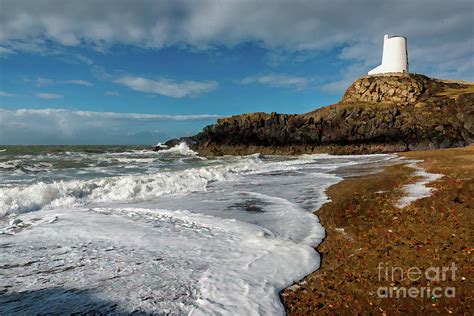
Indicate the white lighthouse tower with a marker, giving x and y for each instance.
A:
(394, 56)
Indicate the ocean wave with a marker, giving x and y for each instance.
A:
(129, 188)
(181, 149)
(251, 231)
(120, 188)
(13, 165)
(133, 188)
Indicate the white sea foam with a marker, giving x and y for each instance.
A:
(183, 235)
(29, 167)
(182, 149)
(418, 190)
(123, 188)
(155, 260)
(129, 188)
(160, 145)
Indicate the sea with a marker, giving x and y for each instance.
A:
(125, 229)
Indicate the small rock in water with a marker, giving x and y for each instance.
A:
(262, 234)
(15, 222)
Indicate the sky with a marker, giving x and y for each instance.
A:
(142, 72)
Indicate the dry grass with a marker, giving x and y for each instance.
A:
(456, 92)
(431, 232)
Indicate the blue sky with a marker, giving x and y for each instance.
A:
(145, 71)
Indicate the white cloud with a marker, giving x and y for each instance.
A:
(346, 78)
(43, 95)
(112, 93)
(5, 51)
(278, 80)
(122, 116)
(297, 26)
(42, 82)
(61, 126)
(79, 82)
(167, 87)
(6, 94)
(84, 59)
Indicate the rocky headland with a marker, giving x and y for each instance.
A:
(377, 114)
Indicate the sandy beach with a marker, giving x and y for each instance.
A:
(380, 257)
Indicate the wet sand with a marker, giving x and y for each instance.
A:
(372, 246)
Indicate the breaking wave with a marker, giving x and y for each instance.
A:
(123, 188)
(181, 149)
(130, 188)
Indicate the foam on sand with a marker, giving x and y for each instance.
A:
(418, 190)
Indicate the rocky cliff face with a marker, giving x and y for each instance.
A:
(397, 90)
(376, 114)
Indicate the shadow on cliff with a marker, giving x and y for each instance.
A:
(56, 300)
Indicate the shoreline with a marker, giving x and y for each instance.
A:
(367, 233)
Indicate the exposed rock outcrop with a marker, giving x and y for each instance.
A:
(401, 90)
(376, 114)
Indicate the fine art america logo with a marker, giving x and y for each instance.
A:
(432, 275)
